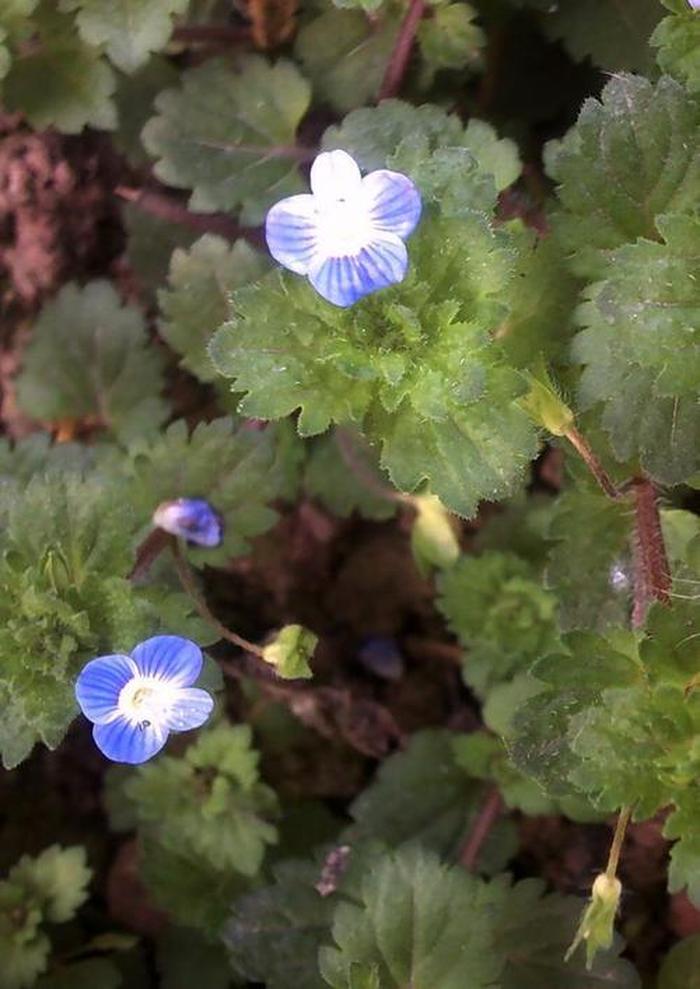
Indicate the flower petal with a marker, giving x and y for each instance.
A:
(393, 202)
(291, 232)
(344, 280)
(335, 175)
(190, 709)
(125, 741)
(191, 518)
(99, 685)
(169, 657)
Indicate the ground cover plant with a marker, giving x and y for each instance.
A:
(349, 471)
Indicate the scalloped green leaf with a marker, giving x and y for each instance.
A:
(228, 134)
(677, 38)
(631, 157)
(90, 357)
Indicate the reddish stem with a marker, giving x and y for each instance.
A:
(167, 207)
(147, 552)
(488, 814)
(581, 445)
(652, 577)
(224, 34)
(398, 62)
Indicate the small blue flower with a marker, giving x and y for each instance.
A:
(135, 701)
(191, 518)
(348, 236)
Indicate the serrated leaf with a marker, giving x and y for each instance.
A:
(678, 39)
(682, 825)
(150, 245)
(185, 959)
(501, 614)
(56, 880)
(630, 158)
(681, 966)
(449, 40)
(418, 372)
(614, 35)
(329, 478)
(274, 933)
(238, 470)
(135, 97)
(129, 30)
(89, 357)
(450, 802)
(417, 923)
(483, 756)
(345, 55)
(590, 559)
(86, 974)
(13, 19)
(228, 134)
(290, 651)
(641, 350)
(459, 168)
(533, 932)
(196, 302)
(82, 82)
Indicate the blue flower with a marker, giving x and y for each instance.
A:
(135, 701)
(192, 518)
(348, 236)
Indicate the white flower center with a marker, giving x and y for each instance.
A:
(344, 226)
(146, 700)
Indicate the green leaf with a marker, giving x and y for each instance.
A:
(630, 158)
(185, 959)
(129, 30)
(682, 824)
(228, 134)
(135, 97)
(90, 357)
(237, 469)
(590, 559)
(38, 454)
(345, 55)
(418, 923)
(449, 40)
(82, 82)
(290, 652)
(419, 372)
(459, 168)
(640, 348)
(484, 756)
(196, 302)
(678, 39)
(434, 542)
(150, 245)
(274, 933)
(56, 881)
(13, 19)
(614, 35)
(65, 542)
(341, 490)
(533, 932)
(450, 802)
(86, 974)
(501, 614)
(681, 966)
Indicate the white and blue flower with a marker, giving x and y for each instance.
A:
(192, 519)
(347, 237)
(135, 701)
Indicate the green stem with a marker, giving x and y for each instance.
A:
(582, 447)
(623, 819)
(189, 584)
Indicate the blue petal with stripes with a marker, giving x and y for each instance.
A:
(100, 684)
(169, 657)
(132, 743)
(347, 237)
(192, 519)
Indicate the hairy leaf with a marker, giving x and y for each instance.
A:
(631, 157)
(640, 347)
(449, 40)
(228, 135)
(341, 490)
(89, 358)
(678, 39)
(681, 966)
(129, 29)
(196, 302)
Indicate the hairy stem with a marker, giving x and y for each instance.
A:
(488, 814)
(582, 447)
(398, 61)
(623, 819)
(189, 584)
(652, 577)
